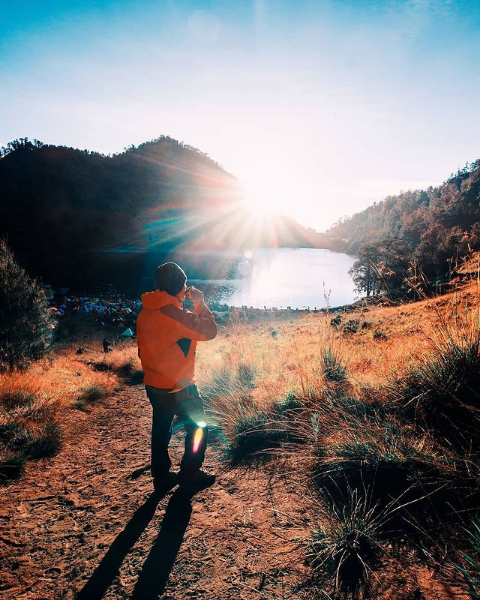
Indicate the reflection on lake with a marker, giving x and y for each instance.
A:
(298, 278)
(282, 277)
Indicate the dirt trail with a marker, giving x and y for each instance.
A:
(87, 520)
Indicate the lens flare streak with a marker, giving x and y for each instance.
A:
(197, 440)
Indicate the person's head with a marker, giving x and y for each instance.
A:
(172, 279)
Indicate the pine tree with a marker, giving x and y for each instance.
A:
(26, 325)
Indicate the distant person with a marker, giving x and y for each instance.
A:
(106, 345)
(167, 335)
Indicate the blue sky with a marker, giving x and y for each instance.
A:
(319, 107)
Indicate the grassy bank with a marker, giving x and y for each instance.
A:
(376, 415)
(373, 413)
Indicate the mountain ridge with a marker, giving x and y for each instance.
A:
(60, 205)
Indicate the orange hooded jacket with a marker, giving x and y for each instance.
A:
(167, 336)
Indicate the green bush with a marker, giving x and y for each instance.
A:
(246, 376)
(394, 465)
(100, 366)
(31, 438)
(129, 373)
(351, 326)
(125, 369)
(288, 405)
(14, 436)
(222, 383)
(26, 324)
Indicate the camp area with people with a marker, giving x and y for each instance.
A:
(109, 311)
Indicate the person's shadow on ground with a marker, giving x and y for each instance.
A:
(160, 561)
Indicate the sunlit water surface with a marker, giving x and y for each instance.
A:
(284, 277)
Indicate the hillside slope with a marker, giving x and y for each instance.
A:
(86, 520)
(60, 207)
(435, 224)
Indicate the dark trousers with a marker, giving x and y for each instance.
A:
(187, 405)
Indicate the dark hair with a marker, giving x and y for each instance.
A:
(170, 278)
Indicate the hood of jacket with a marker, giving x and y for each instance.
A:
(156, 300)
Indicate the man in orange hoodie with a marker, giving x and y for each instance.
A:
(167, 335)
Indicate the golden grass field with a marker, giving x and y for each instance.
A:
(252, 367)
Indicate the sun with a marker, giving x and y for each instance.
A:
(261, 200)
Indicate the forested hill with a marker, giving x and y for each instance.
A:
(59, 206)
(430, 225)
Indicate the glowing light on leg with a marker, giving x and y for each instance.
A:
(198, 436)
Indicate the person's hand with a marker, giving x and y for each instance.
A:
(196, 296)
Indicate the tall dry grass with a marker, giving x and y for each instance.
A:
(33, 402)
(380, 416)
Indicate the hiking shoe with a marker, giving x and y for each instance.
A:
(195, 480)
(166, 483)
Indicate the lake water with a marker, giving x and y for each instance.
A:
(298, 278)
(281, 277)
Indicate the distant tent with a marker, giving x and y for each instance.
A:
(127, 333)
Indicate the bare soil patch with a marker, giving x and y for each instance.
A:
(87, 520)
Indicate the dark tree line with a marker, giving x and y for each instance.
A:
(62, 208)
(431, 229)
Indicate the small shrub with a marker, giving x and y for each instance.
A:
(90, 395)
(14, 436)
(246, 376)
(12, 399)
(443, 392)
(254, 432)
(46, 442)
(379, 335)
(136, 378)
(289, 413)
(333, 369)
(11, 466)
(336, 322)
(129, 372)
(471, 568)
(28, 433)
(221, 383)
(346, 548)
(26, 324)
(351, 326)
(291, 403)
(393, 465)
(100, 367)
(354, 409)
(125, 369)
